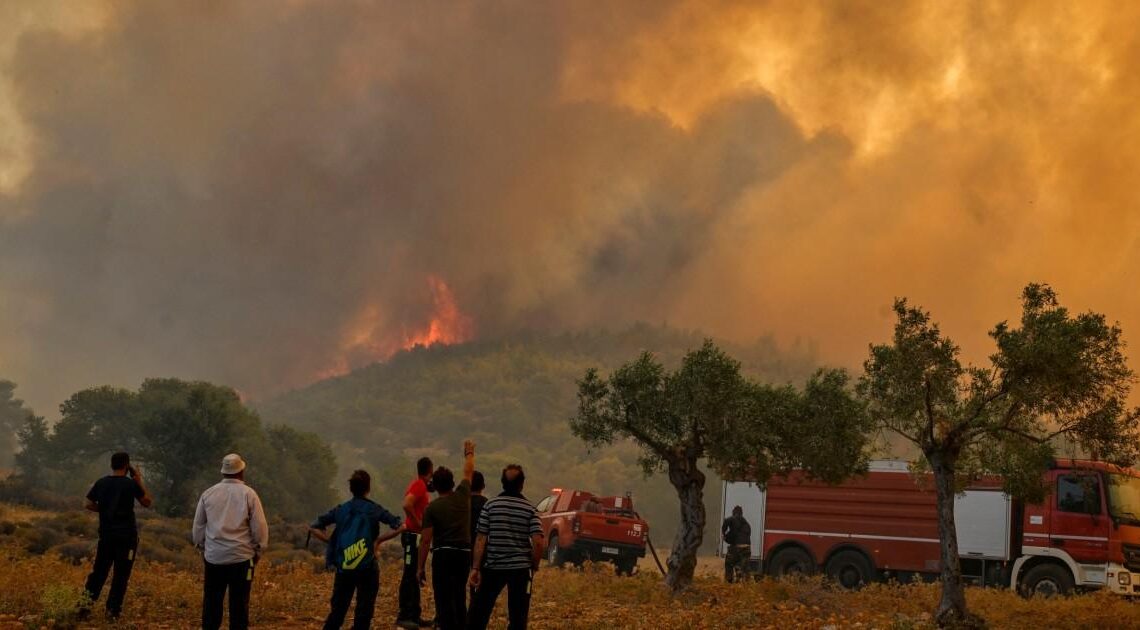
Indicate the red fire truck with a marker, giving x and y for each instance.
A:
(1085, 535)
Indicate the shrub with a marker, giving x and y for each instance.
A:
(62, 605)
(38, 540)
(75, 552)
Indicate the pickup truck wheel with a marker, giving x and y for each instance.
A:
(790, 561)
(625, 566)
(554, 554)
(1047, 580)
(849, 569)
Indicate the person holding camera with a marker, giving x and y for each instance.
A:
(113, 497)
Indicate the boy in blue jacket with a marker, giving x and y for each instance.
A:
(352, 550)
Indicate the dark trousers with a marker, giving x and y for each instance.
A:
(409, 582)
(736, 561)
(365, 583)
(117, 552)
(238, 580)
(449, 570)
(517, 582)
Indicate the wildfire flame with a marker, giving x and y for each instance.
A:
(448, 324)
(370, 336)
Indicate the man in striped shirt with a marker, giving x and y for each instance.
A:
(508, 547)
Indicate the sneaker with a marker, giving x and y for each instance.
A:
(410, 624)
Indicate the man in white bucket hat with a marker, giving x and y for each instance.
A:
(231, 531)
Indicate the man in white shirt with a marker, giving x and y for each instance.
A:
(231, 532)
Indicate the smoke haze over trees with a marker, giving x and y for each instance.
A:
(264, 193)
(514, 398)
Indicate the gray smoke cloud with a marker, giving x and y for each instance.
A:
(260, 193)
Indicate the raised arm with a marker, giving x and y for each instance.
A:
(468, 460)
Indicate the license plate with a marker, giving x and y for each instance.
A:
(613, 551)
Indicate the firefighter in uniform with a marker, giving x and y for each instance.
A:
(737, 535)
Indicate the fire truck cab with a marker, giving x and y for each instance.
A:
(1085, 535)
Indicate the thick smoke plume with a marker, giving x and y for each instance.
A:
(260, 193)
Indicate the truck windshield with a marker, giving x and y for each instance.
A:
(1124, 497)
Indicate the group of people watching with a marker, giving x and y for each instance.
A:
(478, 546)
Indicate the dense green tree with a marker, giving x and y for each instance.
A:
(95, 421)
(34, 437)
(178, 431)
(186, 428)
(1057, 375)
(706, 410)
(298, 467)
(13, 414)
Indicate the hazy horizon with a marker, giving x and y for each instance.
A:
(262, 194)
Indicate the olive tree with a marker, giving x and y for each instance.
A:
(706, 411)
(13, 413)
(1054, 376)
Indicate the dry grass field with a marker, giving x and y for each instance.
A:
(41, 590)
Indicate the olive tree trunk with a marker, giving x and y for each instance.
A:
(689, 482)
(952, 611)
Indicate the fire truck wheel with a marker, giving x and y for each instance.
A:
(791, 561)
(1047, 580)
(849, 569)
(554, 554)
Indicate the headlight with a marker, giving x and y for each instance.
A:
(1124, 578)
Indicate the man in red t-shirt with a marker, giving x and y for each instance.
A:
(415, 502)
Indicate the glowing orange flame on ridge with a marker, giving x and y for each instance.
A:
(368, 339)
(448, 324)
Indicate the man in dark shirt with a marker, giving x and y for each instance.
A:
(362, 578)
(447, 532)
(113, 497)
(508, 547)
(738, 538)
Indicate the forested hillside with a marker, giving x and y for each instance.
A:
(514, 397)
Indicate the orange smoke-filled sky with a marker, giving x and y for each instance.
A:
(258, 192)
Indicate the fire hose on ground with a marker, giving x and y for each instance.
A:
(652, 550)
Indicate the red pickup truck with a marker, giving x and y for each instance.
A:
(581, 526)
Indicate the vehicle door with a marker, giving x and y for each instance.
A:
(543, 508)
(1079, 523)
